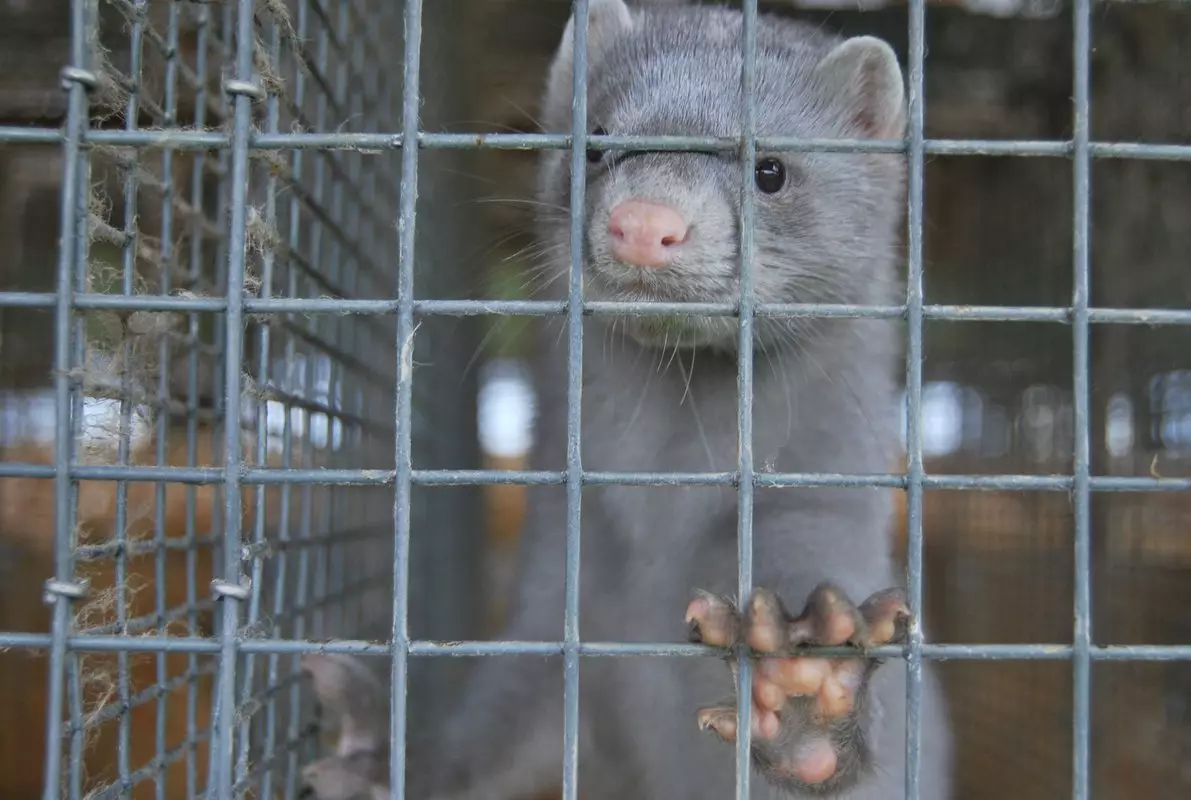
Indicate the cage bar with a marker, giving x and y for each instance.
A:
(914, 353)
(210, 140)
(480, 477)
(411, 95)
(78, 79)
(574, 474)
(468, 649)
(1081, 469)
(744, 389)
(233, 588)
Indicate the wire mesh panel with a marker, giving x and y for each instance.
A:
(1003, 320)
(216, 385)
(260, 271)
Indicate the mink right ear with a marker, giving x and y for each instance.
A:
(354, 701)
(607, 20)
(862, 76)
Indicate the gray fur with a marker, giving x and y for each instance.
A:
(663, 398)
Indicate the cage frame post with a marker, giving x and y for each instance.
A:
(914, 355)
(256, 576)
(1081, 467)
(744, 390)
(160, 603)
(400, 644)
(233, 587)
(78, 80)
(574, 454)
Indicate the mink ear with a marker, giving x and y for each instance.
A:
(862, 76)
(607, 20)
(338, 778)
(352, 698)
(354, 702)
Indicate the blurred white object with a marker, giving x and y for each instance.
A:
(29, 418)
(506, 408)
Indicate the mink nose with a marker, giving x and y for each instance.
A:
(646, 234)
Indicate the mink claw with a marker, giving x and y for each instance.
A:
(721, 720)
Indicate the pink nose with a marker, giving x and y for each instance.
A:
(645, 234)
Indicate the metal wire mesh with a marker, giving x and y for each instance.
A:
(229, 387)
(313, 312)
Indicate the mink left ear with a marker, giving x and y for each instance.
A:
(352, 697)
(607, 20)
(862, 73)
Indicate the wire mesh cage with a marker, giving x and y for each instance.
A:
(229, 482)
(256, 307)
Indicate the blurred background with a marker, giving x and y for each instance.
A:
(318, 389)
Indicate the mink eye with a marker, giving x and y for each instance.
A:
(770, 175)
(594, 156)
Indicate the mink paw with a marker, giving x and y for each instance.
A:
(806, 712)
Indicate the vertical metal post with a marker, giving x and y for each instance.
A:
(194, 271)
(162, 415)
(570, 652)
(302, 563)
(914, 355)
(320, 233)
(1081, 499)
(744, 387)
(77, 80)
(230, 590)
(123, 689)
(259, 540)
(410, 104)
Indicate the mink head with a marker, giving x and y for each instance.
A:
(665, 226)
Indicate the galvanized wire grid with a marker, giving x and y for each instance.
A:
(242, 600)
(310, 224)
